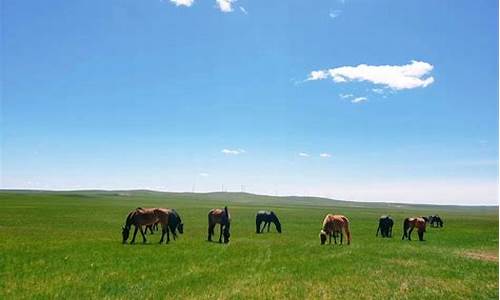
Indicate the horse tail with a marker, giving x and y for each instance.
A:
(406, 225)
(347, 231)
(227, 213)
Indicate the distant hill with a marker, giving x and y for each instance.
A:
(247, 198)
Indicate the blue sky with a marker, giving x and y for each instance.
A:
(361, 100)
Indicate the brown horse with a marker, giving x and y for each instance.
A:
(333, 225)
(410, 223)
(222, 217)
(167, 218)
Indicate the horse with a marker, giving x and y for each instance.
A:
(410, 223)
(267, 217)
(385, 224)
(168, 218)
(222, 217)
(332, 225)
(435, 221)
(176, 219)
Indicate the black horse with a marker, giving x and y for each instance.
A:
(435, 221)
(267, 217)
(385, 224)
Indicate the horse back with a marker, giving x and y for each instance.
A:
(217, 216)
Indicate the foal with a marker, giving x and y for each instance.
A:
(332, 225)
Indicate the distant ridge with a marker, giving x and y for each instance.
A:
(244, 197)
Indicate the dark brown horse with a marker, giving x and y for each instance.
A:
(267, 217)
(410, 223)
(333, 225)
(222, 217)
(167, 218)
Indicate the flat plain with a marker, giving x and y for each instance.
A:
(68, 245)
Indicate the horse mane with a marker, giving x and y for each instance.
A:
(128, 221)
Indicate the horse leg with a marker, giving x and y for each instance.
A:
(162, 233)
(210, 230)
(220, 235)
(168, 234)
(421, 235)
(341, 237)
(143, 235)
(409, 234)
(135, 233)
(257, 226)
(268, 226)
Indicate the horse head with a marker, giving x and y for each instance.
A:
(125, 234)
(180, 227)
(276, 222)
(322, 237)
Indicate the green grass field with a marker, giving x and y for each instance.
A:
(68, 245)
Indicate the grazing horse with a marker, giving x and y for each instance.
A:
(385, 224)
(410, 223)
(435, 221)
(222, 217)
(333, 225)
(267, 217)
(168, 218)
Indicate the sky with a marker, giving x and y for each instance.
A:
(393, 101)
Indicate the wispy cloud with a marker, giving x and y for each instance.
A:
(225, 5)
(233, 151)
(204, 174)
(359, 100)
(346, 96)
(335, 13)
(325, 155)
(243, 10)
(303, 154)
(187, 3)
(396, 77)
(378, 91)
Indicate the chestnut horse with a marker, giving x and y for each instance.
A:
(410, 223)
(333, 225)
(167, 218)
(222, 217)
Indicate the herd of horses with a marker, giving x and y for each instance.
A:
(144, 219)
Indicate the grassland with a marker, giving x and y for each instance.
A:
(68, 245)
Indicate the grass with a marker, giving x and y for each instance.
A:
(68, 245)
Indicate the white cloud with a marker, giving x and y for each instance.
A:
(346, 96)
(378, 91)
(396, 77)
(325, 155)
(187, 3)
(359, 100)
(315, 75)
(225, 5)
(233, 152)
(204, 174)
(335, 13)
(243, 10)
(303, 154)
